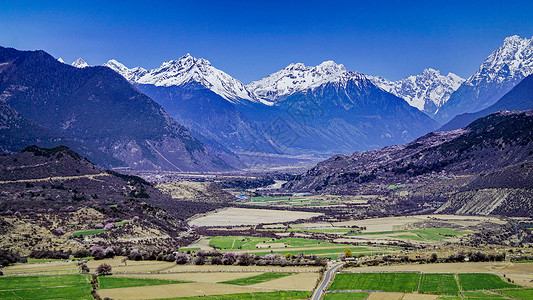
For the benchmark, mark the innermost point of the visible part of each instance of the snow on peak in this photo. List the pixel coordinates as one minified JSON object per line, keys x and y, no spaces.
{"x":186,"y":70}
{"x":61,"y":60}
{"x":80,"y":63}
{"x":427,"y":91}
{"x":298,"y":77}
{"x":512,"y":60}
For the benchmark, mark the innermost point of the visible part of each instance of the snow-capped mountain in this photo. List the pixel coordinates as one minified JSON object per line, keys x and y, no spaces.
{"x":427,"y":91}
{"x":80,"y":63}
{"x":502,"y":70}
{"x":298,"y":77}
{"x":184,"y":71}
{"x":61,"y":60}
{"x":514,"y":58}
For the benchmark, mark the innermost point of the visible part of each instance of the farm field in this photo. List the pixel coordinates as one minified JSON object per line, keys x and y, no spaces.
{"x":294,"y":246}
{"x":346,"y":296}
{"x":106,"y":282}
{"x":404,"y":223}
{"x":46,"y":287}
{"x":518,"y":293}
{"x":257,"y":278}
{"x":448,"y":285}
{"x":445,"y":284}
{"x":421,"y":235}
{"x":246,"y":216}
{"x":390,"y":282}
{"x":476,"y":281}
{"x":309,"y":201}
{"x":281,"y":295}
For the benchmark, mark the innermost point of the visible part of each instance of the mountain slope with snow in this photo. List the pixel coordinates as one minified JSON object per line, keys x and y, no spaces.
{"x":427,"y":91}
{"x":502,"y":70}
{"x":79,"y":63}
{"x":296,"y":77}
{"x":185,"y":71}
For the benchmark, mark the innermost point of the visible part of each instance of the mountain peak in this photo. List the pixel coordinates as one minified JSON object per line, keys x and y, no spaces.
{"x":80,"y":63}
{"x":61,"y":60}
{"x":514,"y":58}
{"x":186,"y":70}
{"x":298,"y":77}
{"x":427,"y":91}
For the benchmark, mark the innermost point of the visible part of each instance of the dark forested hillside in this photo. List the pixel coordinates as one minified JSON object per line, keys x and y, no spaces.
{"x":94,"y":110}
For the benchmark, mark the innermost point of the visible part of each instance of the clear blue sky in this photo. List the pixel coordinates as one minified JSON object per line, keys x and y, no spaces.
{"x":251,"y":39}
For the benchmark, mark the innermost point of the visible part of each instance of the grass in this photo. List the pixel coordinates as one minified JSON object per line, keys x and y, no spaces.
{"x":389,"y":282}
{"x":105,"y":282}
{"x":346,"y":296}
{"x":327,"y":252}
{"x":249,"y":243}
{"x":46,"y":287}
{"x":439,"y":284}
{"x":87,"y":232}
{"x":482,"y":281}
{"x":518,"y":293}
{"x":258,"y":278}
{"x":431,"y":234}
{"x":281,"y":295}
{"x":482,"y":295}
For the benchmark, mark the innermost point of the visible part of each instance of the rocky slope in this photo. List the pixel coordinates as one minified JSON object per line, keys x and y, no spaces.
{"x":95,"y":111}
{"x":519,"y":98}
{"x":502,"y":70}
{"x":427,"y":91}
{"x":441,"y":166}
{"x":46,"y":189}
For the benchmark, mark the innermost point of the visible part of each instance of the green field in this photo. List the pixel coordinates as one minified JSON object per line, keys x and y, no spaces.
{"x":346,"y":296}
{"x":281,"y":295}
{"x":105,"y":282}
{"x":439,"y":284}
{"x":388,"y":282}
{"x":249,"y":243}
{"x":427,"y":235}
{"x":328,"y":252}
{"x":482,"y":281}
{"x":46,"y":287}
{"x":258,"y":278}
{"x":87,"y":232}
{"x":525,"y":294}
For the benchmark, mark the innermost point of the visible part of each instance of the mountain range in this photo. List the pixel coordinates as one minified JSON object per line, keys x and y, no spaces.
{"x":96,"y":112}
{"x":427,"y":91}
{"x":297,"y":110}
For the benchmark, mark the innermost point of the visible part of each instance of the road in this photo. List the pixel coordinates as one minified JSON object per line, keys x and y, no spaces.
{"x":325,"y":280}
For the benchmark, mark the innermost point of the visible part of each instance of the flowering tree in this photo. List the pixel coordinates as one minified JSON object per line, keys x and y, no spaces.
{"x":103,"y":269}
{"x":58,"y":231}
{"x":109,"y":226}
{"x":181,"y":258}
{"x":229,"y":258}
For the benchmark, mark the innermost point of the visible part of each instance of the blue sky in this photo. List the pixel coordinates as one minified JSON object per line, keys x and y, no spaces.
{"x":251,"y":39}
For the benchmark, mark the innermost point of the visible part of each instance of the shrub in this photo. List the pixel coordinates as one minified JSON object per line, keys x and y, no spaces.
{"x":58,"y":231}
{"x":109,"y":252}
{"x":199,"y":260}
{"x":228,"y":258}
{"x":245,"y":259}
{"x":81,"y":253}
{"x":103,"y":269}
{"x":216,"y":260}
{"x":182,"y":258}
{"x":109,"y":226}
{"x":348,"y":253}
